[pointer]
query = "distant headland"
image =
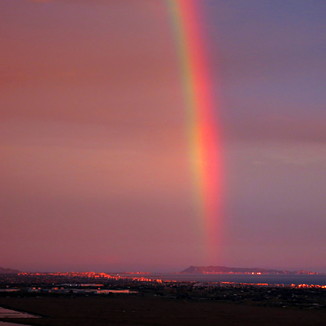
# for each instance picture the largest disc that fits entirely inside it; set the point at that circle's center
(239, 270)
(8, 271)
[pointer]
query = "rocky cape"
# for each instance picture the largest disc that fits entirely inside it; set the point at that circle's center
(239, 270)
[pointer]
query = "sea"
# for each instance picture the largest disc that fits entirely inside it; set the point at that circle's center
(243, 278)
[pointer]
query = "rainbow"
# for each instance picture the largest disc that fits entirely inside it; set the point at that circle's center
(203, 131)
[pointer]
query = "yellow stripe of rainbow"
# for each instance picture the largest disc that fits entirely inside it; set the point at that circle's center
(202, 128)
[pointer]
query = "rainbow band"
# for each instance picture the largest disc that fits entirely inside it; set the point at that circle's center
(202, 127)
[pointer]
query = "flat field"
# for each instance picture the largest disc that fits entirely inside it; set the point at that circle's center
(138, 310)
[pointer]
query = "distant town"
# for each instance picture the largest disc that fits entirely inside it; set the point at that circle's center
(310, 296)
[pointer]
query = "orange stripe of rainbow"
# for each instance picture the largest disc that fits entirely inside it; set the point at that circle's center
(202, 127)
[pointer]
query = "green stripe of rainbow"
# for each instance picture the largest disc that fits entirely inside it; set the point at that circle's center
(202, 127)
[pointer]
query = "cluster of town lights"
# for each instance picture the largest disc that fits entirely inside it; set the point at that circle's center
(93, 275)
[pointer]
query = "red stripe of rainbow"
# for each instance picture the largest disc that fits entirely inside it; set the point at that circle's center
(202, 127)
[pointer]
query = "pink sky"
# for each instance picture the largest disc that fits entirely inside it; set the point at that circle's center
(94, 155)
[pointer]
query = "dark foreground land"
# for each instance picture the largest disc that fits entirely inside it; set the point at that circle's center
(145, 310)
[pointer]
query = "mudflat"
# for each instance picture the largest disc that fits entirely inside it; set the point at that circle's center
(139, 310)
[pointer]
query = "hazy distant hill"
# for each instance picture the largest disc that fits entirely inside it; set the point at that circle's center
(237, 270)
(8, 271)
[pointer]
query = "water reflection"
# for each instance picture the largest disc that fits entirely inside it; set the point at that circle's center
(2, 323)
(8, 313)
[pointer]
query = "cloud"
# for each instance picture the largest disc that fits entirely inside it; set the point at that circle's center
(282, 129)
(40, 1)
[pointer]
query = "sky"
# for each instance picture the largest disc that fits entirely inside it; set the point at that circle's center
(94, 162)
